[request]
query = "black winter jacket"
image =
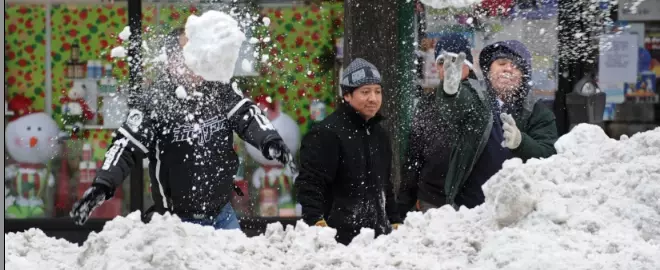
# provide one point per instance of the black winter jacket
(345, 175)
(189, 143)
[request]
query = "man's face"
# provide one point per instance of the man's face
(366, 100)
(505, 77)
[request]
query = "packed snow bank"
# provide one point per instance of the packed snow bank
(214, 41)
(595, 205)
(440, 4)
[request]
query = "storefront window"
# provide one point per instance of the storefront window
(48, 166)
(535, 26)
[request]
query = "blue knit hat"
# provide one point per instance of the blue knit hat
(454, 43)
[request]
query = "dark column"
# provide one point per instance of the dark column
(382, 33)
(135, 85)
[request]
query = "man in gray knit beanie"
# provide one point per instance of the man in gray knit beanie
(363, 76)
(345, 160)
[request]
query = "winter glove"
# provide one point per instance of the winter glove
(396, 226)
(321, 223)
(276, 149)
(93, 197)
(512, 136)
(453, 66)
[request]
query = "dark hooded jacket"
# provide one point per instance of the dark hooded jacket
(189, 144)
(456, 145)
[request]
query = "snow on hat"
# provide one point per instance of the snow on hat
(359, 73)
(21, 106)
(454, 44)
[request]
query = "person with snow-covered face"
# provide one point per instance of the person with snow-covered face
(344, 180)
(188, 139)
(497, 113)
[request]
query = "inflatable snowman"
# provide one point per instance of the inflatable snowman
(31, 140)
(273, 181)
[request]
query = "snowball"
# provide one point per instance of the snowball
(214, 41)
(125, 34)
(440, 4)
(118, 52)
(181, 92)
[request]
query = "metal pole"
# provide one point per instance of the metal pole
(135, 84)
(405, 80)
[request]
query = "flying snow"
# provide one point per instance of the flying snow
(214, 41)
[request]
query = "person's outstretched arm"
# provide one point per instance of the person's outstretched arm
(131, 142)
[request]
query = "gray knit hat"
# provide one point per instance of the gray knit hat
(359, 73)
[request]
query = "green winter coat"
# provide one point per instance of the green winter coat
(469, 119)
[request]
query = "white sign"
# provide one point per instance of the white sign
(639, 10)
(618, 58)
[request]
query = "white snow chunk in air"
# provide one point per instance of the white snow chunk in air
(125, 34)
(118, 52)
(181, 92)
(440, 4)
(214, 41)
(246, 65)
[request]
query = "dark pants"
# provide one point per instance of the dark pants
(345, 236)
(226, 220)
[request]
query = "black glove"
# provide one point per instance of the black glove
(93, 197)
(276, 149)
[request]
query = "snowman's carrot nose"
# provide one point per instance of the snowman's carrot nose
(33, 141)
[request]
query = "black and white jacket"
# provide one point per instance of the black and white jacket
(189, 143)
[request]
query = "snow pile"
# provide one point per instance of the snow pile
(440, 4)
(214, 41)
(595, 205)
(32, 249)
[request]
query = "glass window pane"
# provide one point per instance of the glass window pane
(74, 90)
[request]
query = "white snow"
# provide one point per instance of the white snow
(594, 205)
(246, 65)
(214, 41)
(118, 52)
(125, 34)
(181, 92)
(266, 21)
(440, 4)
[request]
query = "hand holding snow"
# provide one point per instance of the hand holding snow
(214, 41)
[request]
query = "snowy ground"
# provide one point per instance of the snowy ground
(595, 205)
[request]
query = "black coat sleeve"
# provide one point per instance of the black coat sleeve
(248, 120)
(414, 158)
(390, 199)
(131, 142)
(319, 160)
